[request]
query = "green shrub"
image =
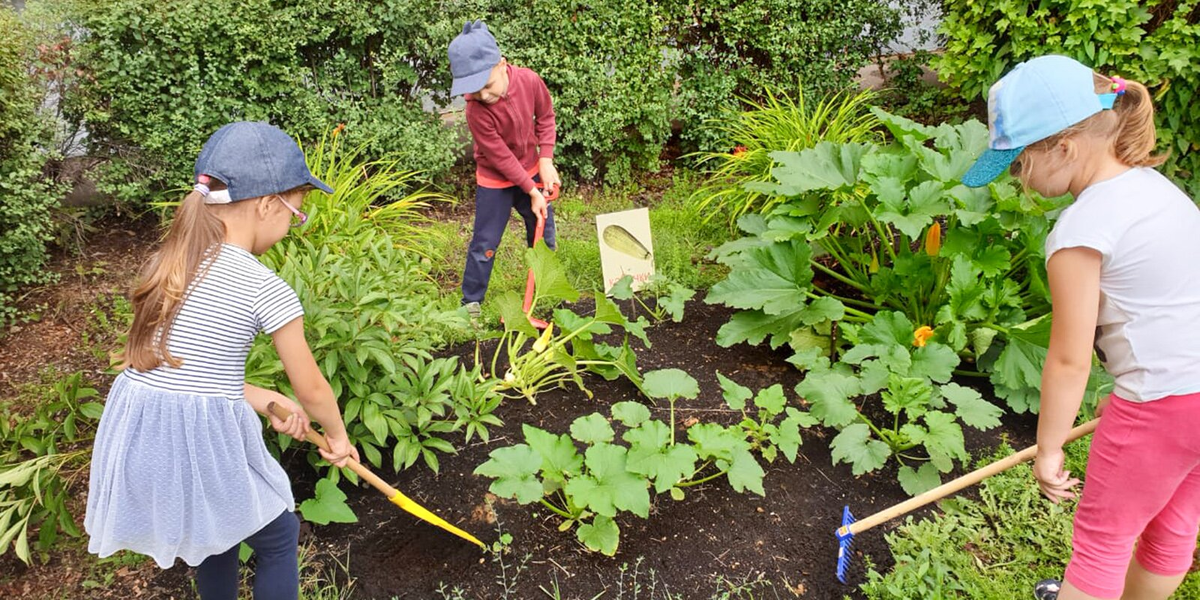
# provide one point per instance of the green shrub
(1151, 42)
(26, 198)
(164, 76)
(732, 47)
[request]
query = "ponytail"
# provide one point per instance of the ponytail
(1135, 136)
(183, 257)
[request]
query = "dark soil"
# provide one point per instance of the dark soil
(713, 534)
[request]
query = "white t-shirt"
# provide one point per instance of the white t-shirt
(1148, 232)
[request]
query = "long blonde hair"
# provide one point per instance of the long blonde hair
(1128, 128)
(194, 234)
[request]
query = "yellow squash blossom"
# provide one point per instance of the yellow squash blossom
(922, 335)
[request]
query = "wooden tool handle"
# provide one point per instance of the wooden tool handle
(353, 465)
(961, 483)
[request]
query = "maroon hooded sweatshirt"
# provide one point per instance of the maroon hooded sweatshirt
(512, 134)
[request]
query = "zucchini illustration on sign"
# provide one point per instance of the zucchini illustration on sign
(625, 247)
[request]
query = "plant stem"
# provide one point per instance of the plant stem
(558, 511)
(838, 276)
(703, 480)
(966, 373)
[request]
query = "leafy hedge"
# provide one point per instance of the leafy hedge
(159, 79)
(25, 197)
(1151, 42)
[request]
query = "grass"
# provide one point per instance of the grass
(681, 239)
(993, 548)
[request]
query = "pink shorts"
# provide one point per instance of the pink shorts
(1142, 487)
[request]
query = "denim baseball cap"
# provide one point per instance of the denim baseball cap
(473, 53)
(1034, 101)
(253, 159)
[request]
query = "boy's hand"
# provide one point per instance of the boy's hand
(548, 173)
(1056, 483)
(538, 202)
(341, 450)
(295, 425)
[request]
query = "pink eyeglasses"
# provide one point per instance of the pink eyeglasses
(300, 218)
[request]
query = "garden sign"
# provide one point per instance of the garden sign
(625, 247)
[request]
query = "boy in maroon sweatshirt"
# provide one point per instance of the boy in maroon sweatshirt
(511, 117)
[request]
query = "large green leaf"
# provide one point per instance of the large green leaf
(908, 394)
(917, 481)
(935, 361)
(771, 399)
(970, 406)
(744, 473)
(608, 484)
(548, 273)
(327, 506)
(829, 393)
(735, 394)
(592, 429)
(774, 278)
(601, 535)
(509, 304)
(630, 414)
(914, 213)
(826, 166)
(670, 383)
(855, 446)
(560, 459)
(651, 454)
(514, 469)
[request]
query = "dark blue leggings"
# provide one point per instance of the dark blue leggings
(493, 208)
(276, 574)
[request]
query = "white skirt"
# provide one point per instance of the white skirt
(179, 475)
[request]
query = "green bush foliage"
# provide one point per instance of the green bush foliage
(740, 47)
(1151, 42)
(26, 198)
(159, 79)
(164, 75)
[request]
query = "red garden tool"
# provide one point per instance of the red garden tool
(550, 194)
(845, 533)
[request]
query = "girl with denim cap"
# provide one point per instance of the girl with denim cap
(1124, 277)
(180, 468)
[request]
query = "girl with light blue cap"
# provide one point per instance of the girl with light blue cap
(179, 467)
(1124, 269)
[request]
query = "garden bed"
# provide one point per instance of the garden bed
(713, 537)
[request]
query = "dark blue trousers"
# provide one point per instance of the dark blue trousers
(276, 572)
(493, 208)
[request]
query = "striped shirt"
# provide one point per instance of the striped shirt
(217, 324)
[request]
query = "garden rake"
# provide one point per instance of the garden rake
(850, 527)
(392, 493)
(551, 193)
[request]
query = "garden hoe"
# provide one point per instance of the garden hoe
(850, 527)
(551, 193)
(392, 493)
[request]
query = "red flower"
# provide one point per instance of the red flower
(738, 151)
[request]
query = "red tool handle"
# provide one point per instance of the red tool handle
(550, 194)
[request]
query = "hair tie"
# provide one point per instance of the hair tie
(202, 185)
(1118, 85)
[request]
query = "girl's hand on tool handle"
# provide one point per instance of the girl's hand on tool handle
(1055, 482)
(312, 390)
(295, 425)
(538, 203)
(340, 450)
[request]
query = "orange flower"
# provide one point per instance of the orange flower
(738, 151)
(922, 335)
(933, 239)
(340, 128)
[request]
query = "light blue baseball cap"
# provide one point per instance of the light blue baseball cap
(473, 53)
(1034, 101)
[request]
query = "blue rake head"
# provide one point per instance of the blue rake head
(845, 540)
